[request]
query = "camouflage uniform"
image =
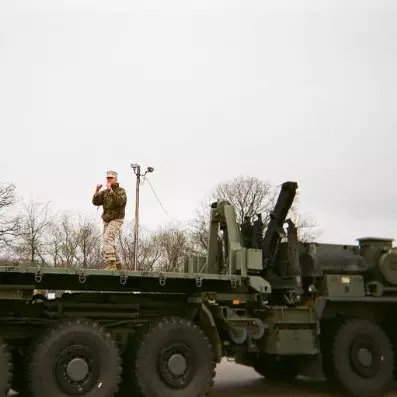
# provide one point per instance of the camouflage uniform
(258, 228)
(246, 230)
(111, 230)
(114, 203)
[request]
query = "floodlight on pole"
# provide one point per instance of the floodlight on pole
(137, 171)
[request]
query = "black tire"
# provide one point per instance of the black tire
(19, 376)
(276, 368)
(66, 342)
(146, 369)
(5, 369)
(328, 331)
(356, 379)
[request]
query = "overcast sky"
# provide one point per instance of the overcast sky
(204, 91)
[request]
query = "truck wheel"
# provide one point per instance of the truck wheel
(275, 368)
(5, 369)
(19, 363)
(172, 358)
(76, 357)
(328, 331)
(363, 359)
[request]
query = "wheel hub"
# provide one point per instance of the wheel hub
(77, 369)
(365, 358)
(177, 364)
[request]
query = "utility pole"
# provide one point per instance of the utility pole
(137, 172)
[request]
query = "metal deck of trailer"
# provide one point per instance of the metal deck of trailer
(52, 278)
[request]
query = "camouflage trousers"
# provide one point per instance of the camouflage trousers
(110, 232)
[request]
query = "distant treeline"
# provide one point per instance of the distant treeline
(32, 234)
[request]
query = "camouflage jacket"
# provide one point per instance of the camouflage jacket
(113, 202)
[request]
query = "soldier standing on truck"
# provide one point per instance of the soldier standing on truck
(113, 200)
(258, 228)
(246, 232)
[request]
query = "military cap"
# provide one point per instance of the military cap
(111, 174)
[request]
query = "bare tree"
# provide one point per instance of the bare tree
(307, 225)
(72, 244)
(55, 243)
(9, 224)
(32, 244)
(174, 244)
(148, 252)
(249, 196)
(88, 241)
(63, 242)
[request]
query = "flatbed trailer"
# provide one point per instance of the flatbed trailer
(103, 303)
(51, 278)
(284, 310)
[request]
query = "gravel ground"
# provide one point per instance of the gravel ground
(235, 380)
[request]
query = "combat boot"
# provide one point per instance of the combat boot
(111, 265)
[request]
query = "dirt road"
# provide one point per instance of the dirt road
(234, 380)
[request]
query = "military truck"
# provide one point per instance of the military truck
(279, 309)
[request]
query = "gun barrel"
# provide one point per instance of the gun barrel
(277, 219)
